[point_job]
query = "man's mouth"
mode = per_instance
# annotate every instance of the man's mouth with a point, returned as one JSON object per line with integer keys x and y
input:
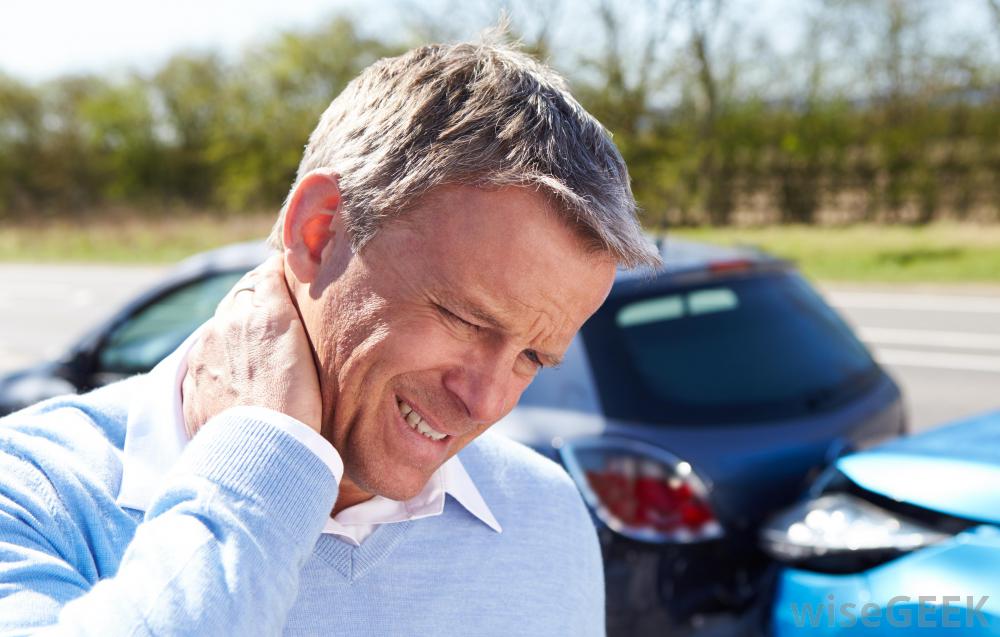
{"x": 416, "y": 422}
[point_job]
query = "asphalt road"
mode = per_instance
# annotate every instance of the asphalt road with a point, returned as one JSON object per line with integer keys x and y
{"x": 45, "y": 308}
{"x": 941, "y": 345}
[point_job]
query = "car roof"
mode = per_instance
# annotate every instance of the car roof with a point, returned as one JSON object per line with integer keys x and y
{"x": 236, "y": 256}
{"x": 684, "y": 256}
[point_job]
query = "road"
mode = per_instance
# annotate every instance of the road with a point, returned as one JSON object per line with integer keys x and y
{"x": 942, "y": 345}
{"x": 45, "y": 308}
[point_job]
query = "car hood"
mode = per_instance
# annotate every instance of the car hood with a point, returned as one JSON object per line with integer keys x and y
{"x": 28, "y": 386}
{"x": 954, "y": 470}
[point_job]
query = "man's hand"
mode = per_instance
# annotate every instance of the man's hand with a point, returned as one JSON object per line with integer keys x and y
{"x": 254, "y": 351}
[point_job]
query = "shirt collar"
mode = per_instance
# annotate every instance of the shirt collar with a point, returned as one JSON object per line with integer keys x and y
{"x": 451, "y": 479}
{"x": 155, "y": 436}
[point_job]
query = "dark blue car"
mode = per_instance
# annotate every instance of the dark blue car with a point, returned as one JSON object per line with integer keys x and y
{"x": 698, "y": 400}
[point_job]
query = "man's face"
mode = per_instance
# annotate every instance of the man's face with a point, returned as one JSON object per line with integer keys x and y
{"x": 448, "y": 312}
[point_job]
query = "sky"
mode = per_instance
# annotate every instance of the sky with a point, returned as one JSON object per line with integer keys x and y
{"x": 40, "y": 39}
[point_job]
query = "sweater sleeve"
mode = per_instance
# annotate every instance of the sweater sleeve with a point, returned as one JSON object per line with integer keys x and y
{"x": 586, "y": 595}
{"x": 218, "y": 553}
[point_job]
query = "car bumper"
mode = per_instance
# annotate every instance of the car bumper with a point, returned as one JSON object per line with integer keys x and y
{"x": 710, "y": 588}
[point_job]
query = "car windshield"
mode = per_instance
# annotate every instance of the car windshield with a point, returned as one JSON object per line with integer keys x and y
{"x": 752, "y": 347}
{"x": 148, "y": 336}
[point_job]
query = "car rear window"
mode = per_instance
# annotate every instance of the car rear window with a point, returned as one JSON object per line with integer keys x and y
{"x": 750, "y": 347}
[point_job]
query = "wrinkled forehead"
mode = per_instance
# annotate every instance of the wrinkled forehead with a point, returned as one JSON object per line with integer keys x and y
{"x": 510, "y": 249}
{"x": 543, "y": 202}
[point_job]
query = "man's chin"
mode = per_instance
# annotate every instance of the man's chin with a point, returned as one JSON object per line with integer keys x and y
{"x": 402, "y": 493}
{"x": 396, "y": 486}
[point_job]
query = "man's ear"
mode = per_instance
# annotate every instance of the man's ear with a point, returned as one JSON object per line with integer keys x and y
{"x": 313, "y": 225}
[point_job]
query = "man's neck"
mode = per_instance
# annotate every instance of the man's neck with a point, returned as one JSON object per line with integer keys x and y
{"x": 349, "y": 494}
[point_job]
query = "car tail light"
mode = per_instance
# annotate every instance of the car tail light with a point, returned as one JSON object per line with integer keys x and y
{"x": 732, "y": 265}
{"x": 641, "y": 491}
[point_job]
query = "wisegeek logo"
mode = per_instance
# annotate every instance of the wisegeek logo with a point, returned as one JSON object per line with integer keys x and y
{"x": 902, "y": 611}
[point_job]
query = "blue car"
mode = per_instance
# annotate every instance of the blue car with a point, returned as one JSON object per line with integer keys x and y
{"x": 897, "y": 540}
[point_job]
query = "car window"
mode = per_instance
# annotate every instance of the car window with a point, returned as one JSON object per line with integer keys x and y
{"x": 150, "y": 334}
{"x": 752, "y": 347}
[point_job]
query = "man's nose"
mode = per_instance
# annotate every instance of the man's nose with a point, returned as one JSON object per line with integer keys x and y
{"x": 483, "y": 387}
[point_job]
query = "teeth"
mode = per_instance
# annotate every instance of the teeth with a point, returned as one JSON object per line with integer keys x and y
{"x": 423, "y": 428}
{"x": 416, "y": 422}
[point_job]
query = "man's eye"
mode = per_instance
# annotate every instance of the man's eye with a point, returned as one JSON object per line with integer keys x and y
{"x": 529, "y": 363}
{"x": 455, "y": 318}
{"x": 532, "y": 356}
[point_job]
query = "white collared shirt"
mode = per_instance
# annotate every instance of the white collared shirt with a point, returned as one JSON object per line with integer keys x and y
{"x": 155, "y": 436}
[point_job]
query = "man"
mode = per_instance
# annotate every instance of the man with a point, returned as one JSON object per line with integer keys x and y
{"x": 312, "y": 461}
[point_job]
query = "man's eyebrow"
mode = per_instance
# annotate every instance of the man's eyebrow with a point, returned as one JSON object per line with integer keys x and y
{"x": 553, "y": 360}
{"x": 475, "y": 311}
{"x": 481, "y": 314}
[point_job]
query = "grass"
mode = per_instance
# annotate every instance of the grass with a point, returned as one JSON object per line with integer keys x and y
{"x": 128, "y": 239}
{"x": 938, "y": 253}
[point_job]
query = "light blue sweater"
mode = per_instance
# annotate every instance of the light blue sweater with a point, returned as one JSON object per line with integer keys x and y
{"x": 231, "y": 544}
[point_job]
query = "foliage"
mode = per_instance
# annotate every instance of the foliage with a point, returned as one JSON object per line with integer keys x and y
{"x": 865, "y": 121}
{"x": 200, "y": 132}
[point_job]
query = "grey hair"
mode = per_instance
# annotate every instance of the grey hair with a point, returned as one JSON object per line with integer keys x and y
{"x": 476, "y": 114}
